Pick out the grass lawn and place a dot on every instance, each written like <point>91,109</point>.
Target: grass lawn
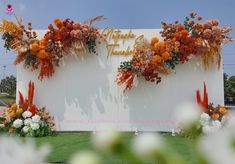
<point>64,145</point>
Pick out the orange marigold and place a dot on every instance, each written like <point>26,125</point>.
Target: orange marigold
<point>160,47</point>
<point>42,54</point>
<point>58,23</point>
<point>154,40</point>
<point>156,59</point>
<point>14,106</point>
<point>180,27</point>
<point>215,116</point>
<point>222,110</point>
<point>166,56</point>
<point>199,18</point>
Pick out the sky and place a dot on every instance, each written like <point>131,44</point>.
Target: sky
<point>123,14</point>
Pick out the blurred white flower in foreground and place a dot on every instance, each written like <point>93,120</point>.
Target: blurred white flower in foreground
<point>204,118</point>
<point>219,147</point>
<point>86,157</point>
<point>147,144</point>
<point>12,151</point>
<point>187,114</point>
<point>211,127</point>
<point>106,140</point>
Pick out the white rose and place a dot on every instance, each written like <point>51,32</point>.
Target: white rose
<point>17,123</point>
<point>34,126</point>
<point>27,114</point>
<point>25,129</point>
<point>36,118</point>
<point>145,145</point>
<point>27,121</point>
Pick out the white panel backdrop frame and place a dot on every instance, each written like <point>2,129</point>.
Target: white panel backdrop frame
<point>82,94</point>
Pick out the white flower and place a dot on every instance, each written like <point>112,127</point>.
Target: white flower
<point>13,151</point>
<point>27,121</point>
<point>204,119</point>
<point>25,129</point>
<point>86,157</point>
<point>207,129</point>
<point>27,114</point>
<point>36,118</point>
<point>146,145</point>
<point>2,125</point>
<point>17,123</point>
<point>106,140</point>
<point>187,114</point>
<point>34,126</point>
<point>218,147</point>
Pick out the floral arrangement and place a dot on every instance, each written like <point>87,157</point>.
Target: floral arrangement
<point>25,119</point>
<point>65,37</point>
<point>211,117</point>
<point>204,120</point>
<point>180,42</point>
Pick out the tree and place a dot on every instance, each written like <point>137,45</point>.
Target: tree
<point>8,85</point>
<point>229,88</point>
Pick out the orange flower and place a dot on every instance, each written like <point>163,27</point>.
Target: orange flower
<point>199,18</point>
<point>215,116</point>
<point>58,23</point>
<point>35,47</point>
<point>42,54</point>
<point>154,40</point>
<point>156,59</point>
<point>184,32</point>
<point>4,122</point>
<point>222,110</point>
<point>134,55</point>
<point>166,56</point>
<point>14,106</point>
<point>180,27</point>
<point>159,47</point>
<point>19,111</point>
<point>12,114</point>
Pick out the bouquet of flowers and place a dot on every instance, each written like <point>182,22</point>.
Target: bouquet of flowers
<point>62,39</point>
<point>25,119</point>
<point>212,116</point>
<point>180,42</point>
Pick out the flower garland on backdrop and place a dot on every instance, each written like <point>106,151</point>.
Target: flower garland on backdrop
<point>62,39</point>
<point>180,42</point>
<point>26,119</point>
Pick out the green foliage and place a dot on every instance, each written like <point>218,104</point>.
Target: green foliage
<point>91,46</point>
<point>8,85</point>
<point>30,61</point>
<point>126,65</point>
<point>229,87</point>
<point>7,38</point>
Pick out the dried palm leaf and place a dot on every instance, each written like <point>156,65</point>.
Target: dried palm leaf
<point>95,19</point>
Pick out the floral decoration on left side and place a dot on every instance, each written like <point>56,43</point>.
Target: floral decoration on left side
<point>25,118</point>
<point>61,40</point>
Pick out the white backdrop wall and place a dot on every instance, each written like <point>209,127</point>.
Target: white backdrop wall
<point>82,94</point>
